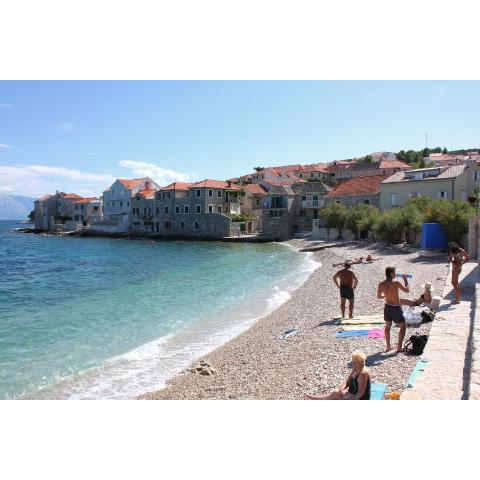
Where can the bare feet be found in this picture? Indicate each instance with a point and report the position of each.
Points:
(388, 349)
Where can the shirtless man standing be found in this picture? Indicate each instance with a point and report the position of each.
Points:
(458, 256)
(389, 289)
(346, 281)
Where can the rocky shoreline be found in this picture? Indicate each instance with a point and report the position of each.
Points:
(258, 364)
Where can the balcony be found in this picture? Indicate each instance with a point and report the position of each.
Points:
(313, 203)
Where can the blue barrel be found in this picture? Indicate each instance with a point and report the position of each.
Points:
(433, 237)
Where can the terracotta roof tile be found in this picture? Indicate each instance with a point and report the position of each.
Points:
(368, 185)
(215, 184)
(135, 182)
(44, 198)
(177, 186)
(255, 189)
(72, 196)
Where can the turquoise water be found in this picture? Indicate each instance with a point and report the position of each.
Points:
(110, 318)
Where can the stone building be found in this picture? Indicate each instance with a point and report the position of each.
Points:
(203, 209)
(143, 210)
(52, 211)
(357, 190)
(117, 204)
(86, 211)
(289, 209)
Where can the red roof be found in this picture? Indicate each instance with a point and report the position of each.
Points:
(177, 186)
(135, 182)
(384, 164)
(283, 181)
(369, 185)
(255, 189)
(215, 184)
(72, 196)
(150, 193)
(85, 200)
(45, 197)
(320, 167)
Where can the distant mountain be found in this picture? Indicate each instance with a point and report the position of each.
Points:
(15, 207)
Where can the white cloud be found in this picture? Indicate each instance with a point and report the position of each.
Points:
(64, 127)
(37, 180)
(4, 145)
(6, 189)
(161, 175)
(6, 105)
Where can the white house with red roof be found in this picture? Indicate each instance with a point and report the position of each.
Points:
(117, 203)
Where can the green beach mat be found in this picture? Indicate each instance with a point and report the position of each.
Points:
(377, 390)
(417, 370)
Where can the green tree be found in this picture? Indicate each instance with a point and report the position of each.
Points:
(362, 218)
(388, 227)
(334, 215)
(257, 169)
(444, 151)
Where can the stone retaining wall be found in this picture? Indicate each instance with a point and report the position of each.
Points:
(474, 382)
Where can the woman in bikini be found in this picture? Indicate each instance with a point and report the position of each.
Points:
(458, 256)
(357, 386)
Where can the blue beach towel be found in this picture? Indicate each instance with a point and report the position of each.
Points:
(377, 390)
(352, 333)
(417, 370)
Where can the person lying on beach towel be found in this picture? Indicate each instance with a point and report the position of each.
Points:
(357, 385)
(357, 261)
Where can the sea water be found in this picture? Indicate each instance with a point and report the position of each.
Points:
(114, 318)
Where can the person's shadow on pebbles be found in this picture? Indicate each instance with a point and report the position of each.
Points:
(378, 358)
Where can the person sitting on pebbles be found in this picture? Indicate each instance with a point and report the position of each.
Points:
(424, 299)
(357, 385)
(357, 261)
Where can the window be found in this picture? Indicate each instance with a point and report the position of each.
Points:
(186, 209)
(157, 210)
(219, 209)
(258, 202)
(182, 224)
(165, 209)
(196, 225)
(128, 204)
(76, 207)
(311, 175)
(210, 209)
(199, 209)
(393, 199)
(304, 198)
(210, 193)
(277, 202)
(463, 195)
(366, 202)
(276, 213)
(198, 192)
(177, 209)
(121, 204)
(168, 225)
(315, 200)
(219, 193)
(95, 209)
(442, 194)
(303, 213)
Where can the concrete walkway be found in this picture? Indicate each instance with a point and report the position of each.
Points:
(449, 350)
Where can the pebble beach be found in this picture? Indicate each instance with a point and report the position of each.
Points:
(258, 364)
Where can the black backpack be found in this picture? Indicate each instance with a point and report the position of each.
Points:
(427, 315)
(416, 344)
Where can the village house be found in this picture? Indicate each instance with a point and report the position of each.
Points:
(86, 211)
(455, 182)
(446, 160)
(288, 209)
(316, 172)
(143, 210)
(250, 199)
(357, 190)
(202, 209)
(343, 170)
(52, 211)
(117, 204)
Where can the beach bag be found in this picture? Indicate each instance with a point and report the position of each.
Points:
(416, 344)
(427, 315)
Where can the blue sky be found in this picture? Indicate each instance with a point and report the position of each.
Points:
(79, 136)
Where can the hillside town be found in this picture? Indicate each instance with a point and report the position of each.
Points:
(272, 203)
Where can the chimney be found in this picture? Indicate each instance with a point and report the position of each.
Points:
(147, 184)
(229, 183)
